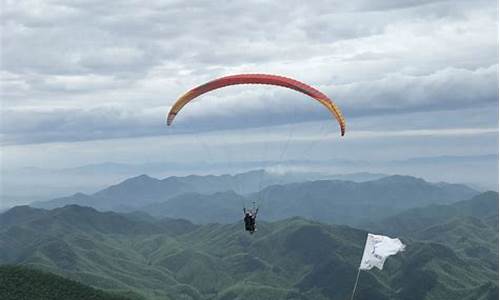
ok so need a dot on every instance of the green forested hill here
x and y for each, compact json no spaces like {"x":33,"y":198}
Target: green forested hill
{"x":21,"y":283}
{"x":289,"y":259}
{"x":483,"y":206}
{"x":470,"y":227}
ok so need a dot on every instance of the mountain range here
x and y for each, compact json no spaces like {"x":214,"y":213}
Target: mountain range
{"x":452,"y":253}
{"x":206,"y":199}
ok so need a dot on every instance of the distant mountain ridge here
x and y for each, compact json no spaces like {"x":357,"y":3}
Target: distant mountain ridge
{"x":30,"y":184}
{"x":141,"y":190}
{"x":344,"y":202}
{"x":152,"y":190}
{"x":205,"y":199}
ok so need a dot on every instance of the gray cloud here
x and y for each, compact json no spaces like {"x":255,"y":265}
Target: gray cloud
{"x":395,"y":93}
{"x":444,"y":89}
{"x":84,"y":70}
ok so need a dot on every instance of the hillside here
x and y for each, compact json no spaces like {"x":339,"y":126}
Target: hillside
{"x":20,"y":283}
{"x":221,"y":207}
{"x":470,"y":227}
{"x":174,"y":259}
{"x":475,"y":219}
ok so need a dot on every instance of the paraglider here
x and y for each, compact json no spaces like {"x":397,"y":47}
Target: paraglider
{"x":250,"y":215}
{"x":257,"y":79}
{"x":249,"y":219}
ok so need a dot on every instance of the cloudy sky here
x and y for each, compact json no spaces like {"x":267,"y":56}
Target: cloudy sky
{"x":86,"y":82}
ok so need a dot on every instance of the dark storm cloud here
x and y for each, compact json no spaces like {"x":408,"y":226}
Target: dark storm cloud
{"x":82,"y":70}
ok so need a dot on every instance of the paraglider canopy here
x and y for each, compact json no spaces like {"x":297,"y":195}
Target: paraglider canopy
{"x":257,"y":79}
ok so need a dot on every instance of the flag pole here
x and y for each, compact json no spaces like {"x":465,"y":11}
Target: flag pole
{"x":355,"y":284}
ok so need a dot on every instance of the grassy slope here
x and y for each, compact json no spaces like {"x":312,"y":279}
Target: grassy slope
{"x":19,"y":283}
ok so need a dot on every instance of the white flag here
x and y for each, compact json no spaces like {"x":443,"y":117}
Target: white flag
{"x":377,"y":249}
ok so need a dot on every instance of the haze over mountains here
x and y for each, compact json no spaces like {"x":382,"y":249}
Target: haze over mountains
{"x":356,"y":199}
{"x":452,"y":253}
{"x":28,"y":184}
